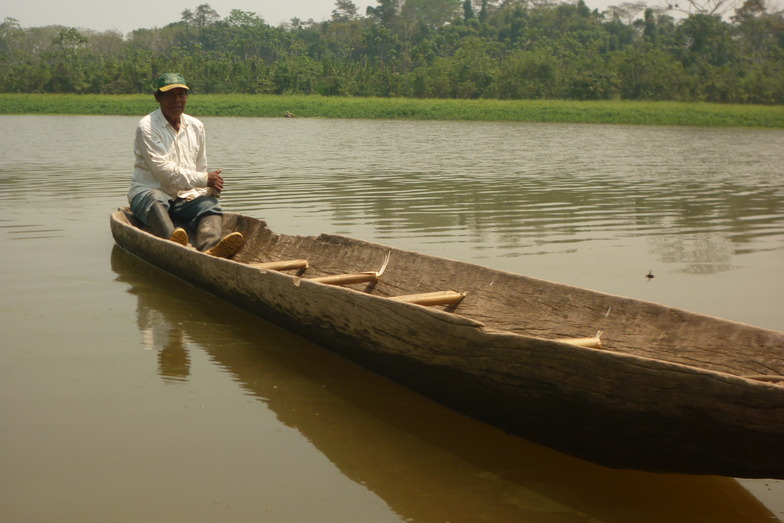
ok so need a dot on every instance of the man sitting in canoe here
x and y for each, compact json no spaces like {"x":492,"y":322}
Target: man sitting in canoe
{"x":170,"y":182}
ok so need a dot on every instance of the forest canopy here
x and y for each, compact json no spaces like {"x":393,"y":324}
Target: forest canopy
{"x":510,"y":49}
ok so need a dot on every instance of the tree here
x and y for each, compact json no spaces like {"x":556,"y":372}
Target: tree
{"x":243,"y":19}
{"x":529,"y":74}
{"x":468,"y":10}
{"x":760,"y":34}
{"x":203,"y":16}
{"x":476,"y":68}
{"x":70,"y":40}
{"x":626,"y":12}
{"x":707,"y":39}
{"x":483,"y":12}
{"x":385,"y":12}
{"x":343,"y":40}
{"x":511,"y":21}
{"x":345,"y":11}
{"x":10,"y":32}
{"x":380,"y":43}
{"x":187,"y":16}
{"x":749,"y":10}
{"x":647,"y":73}
{"x":430,"y":13}
{"x":649,"y":30}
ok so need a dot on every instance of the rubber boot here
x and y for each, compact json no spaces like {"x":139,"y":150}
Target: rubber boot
{"x":162,"y":226}
{"x":209,"y":238}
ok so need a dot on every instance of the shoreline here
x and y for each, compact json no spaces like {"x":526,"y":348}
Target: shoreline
{"x":315,"y":106}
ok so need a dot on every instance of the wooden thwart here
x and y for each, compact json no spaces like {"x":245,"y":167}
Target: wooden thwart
{"x":286,"y":265}
{"x":358,"y":277}
{"x":345,"y":279}
{"x":591,"y":343}
{"x":431,"y":298}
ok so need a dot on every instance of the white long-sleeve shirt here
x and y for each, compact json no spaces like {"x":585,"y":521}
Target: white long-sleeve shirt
{"x":174,"y":162}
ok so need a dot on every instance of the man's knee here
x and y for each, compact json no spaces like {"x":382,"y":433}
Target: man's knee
{"x":143,"y":202}
{"x":210,"y":204}
{"x":191,"y":211}
{"x":205,"y":205}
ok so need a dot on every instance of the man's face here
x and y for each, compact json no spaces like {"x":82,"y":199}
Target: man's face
{"x":173,"y":103}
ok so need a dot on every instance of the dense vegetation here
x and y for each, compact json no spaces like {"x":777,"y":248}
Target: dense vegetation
{"x":508,"y":50}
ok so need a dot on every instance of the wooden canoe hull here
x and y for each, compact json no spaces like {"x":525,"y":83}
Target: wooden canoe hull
{"x":620,"y":410}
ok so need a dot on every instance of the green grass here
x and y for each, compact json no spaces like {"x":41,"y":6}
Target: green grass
{"x":609,"y":112}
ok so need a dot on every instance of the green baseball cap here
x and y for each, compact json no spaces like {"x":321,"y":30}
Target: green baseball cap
{"x":169,"y":81}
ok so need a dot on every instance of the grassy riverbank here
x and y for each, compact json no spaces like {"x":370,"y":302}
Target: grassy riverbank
{"x":613,"y":112}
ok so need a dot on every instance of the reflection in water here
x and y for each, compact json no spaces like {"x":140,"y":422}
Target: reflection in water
{"x":173,"y":359}
{"x":162,"y":335}
{"x":428,"y":463}
{"x":703,"y":254}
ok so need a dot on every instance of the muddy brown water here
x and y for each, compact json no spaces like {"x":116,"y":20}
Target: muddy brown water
{"x":128,"y":395}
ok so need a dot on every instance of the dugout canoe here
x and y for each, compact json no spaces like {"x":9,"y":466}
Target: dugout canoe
{"x":412,"y":451}
{"x":661,"y":389}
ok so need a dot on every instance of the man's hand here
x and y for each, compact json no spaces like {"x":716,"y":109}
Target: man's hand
{"x":215,"y":180}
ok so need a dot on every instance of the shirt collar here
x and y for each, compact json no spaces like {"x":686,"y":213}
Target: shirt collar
{"x":183,"y":119}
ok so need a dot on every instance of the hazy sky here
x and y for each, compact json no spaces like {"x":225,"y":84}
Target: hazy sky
{"x":127,"y":15}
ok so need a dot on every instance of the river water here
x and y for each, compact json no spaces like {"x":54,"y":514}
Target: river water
{"x":127,"y":395}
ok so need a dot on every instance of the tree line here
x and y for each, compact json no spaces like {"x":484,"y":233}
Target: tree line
{"x":502,"y":49}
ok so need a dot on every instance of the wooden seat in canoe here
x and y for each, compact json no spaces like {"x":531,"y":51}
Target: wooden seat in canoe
{"x":432,"y":298}
{"x":357,"y":277}
{"x":591,"y":343}
{"x":345,"y":279}
{"x":285,"y":265}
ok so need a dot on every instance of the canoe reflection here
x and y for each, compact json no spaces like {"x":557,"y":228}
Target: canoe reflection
{"x":427,"y":462}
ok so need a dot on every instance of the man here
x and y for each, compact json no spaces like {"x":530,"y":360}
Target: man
{"x":170,"y":182}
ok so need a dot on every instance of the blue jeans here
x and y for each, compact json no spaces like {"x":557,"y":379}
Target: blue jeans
{"x":184,"y":213}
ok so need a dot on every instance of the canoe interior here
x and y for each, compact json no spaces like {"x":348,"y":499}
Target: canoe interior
{"x":508,"y":302}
